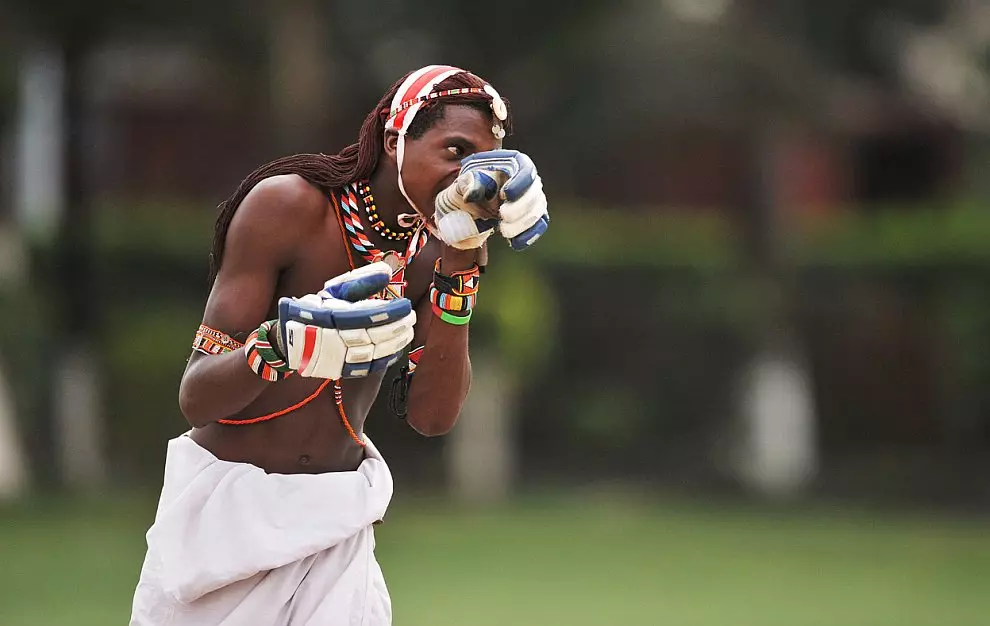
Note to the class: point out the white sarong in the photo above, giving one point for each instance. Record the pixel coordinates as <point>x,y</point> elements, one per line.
<point>233,545</point>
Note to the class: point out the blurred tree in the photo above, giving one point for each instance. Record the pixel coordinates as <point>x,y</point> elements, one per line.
<point>849,35</point>
<point>72,31</point>
<point>300,67</point>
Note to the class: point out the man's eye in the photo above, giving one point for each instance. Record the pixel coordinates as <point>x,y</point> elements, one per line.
<point>457,151</point>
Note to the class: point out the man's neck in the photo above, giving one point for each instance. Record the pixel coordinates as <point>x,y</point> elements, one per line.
<point>388,199</point>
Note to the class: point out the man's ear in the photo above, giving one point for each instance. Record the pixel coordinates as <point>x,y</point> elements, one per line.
<point>391,142</point>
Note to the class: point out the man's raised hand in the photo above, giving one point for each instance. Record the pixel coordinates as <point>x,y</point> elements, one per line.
<point>507,177</point>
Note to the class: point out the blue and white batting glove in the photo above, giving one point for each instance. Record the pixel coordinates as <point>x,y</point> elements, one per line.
<point>523,213</point>
<point>339,332</point>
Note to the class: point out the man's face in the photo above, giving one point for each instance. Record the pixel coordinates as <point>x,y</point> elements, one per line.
<point>432,162</point>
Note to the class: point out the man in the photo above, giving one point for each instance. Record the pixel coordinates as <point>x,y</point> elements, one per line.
<point>268,502</point>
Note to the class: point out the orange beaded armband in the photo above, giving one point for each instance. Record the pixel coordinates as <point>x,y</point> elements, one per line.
<point>211,341</point>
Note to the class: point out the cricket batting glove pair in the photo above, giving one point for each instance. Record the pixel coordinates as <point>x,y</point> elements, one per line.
<point>340,332</point>
<point>505,178</point>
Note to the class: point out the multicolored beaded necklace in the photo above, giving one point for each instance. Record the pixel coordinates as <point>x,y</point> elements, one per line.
<point>351,217</point>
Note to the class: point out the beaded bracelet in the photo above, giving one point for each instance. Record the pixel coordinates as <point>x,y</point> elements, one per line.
<point>262,357</point>
<point>453,297</point>
<point>451,318</point>
<point>461,283</point>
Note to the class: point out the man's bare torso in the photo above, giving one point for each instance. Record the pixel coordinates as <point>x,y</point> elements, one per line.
<point>312,439</point>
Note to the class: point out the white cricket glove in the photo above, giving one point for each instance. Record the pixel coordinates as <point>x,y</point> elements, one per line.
<point>339,332</point>
<point>506,175</point>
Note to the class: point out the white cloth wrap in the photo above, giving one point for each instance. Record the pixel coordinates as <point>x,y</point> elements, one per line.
<point>232,545</point>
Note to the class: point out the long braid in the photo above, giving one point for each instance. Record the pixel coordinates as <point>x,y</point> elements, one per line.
<point>325,172</point>
<point>355,162</point>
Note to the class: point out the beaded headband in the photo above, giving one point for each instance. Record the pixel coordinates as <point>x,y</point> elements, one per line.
<point>498,105</point>
<point>398,120</point>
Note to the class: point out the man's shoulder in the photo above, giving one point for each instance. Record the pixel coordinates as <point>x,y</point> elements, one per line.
<point>280,212</point>
<point>287,196</point>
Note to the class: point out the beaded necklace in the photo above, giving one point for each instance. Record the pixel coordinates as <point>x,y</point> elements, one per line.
<point>377,223</point>
<point>351,217</point>
<point>350,221</point>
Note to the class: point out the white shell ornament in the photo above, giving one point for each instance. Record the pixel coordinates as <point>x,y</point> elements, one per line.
<point>498,106</point>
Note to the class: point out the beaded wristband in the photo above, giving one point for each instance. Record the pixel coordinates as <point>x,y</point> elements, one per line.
<point>258,364</point>
<point>453,297</point>
<point>461,283</point>
<point>267,350</point>
<point>451,318</point>
<point>450,302</point>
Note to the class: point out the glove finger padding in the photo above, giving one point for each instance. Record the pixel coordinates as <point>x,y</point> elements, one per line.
<point>523,205</point>
<point>526,219</point>
<point>508,163</point>
<point>520,179</point>
<point>523,214</point>
<point>358,284</point>
<point>319,352</point>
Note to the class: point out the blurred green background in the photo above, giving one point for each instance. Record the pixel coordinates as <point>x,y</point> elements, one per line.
<point>755,388</point>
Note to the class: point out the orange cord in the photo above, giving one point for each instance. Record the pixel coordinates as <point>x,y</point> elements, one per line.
<point>338,396</point>
<point>263,418</point>
<point>338,392</point>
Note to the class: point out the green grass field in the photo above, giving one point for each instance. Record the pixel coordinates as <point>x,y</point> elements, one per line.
<point>576,561</point>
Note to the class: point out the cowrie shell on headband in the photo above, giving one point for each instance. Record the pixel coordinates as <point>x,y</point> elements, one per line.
<point>498,106</point>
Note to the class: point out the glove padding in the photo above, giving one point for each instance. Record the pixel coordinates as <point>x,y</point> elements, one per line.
<point>460,214</point>
<point>465,210</point>
<point>340,333</point>
<point>523,212</point>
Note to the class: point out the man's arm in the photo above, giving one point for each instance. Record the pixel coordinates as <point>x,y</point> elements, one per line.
<point>270,225</point>
<point>443,376</point>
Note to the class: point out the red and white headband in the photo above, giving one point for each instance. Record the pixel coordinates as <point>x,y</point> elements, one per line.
<point>418,88</point>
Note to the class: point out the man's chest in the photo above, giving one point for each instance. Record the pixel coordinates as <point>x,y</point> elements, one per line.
<point>410,279</point>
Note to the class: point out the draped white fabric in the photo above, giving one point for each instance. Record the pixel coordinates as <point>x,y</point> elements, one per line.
<point>233,545</point>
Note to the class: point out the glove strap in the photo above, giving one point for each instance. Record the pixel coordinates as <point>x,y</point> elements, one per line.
<point>453,297</point>
<point>399,396</point>
<point>210,341</point>
<point>262,357</point>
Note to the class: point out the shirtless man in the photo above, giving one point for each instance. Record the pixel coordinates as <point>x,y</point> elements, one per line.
<point>268,502</point>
